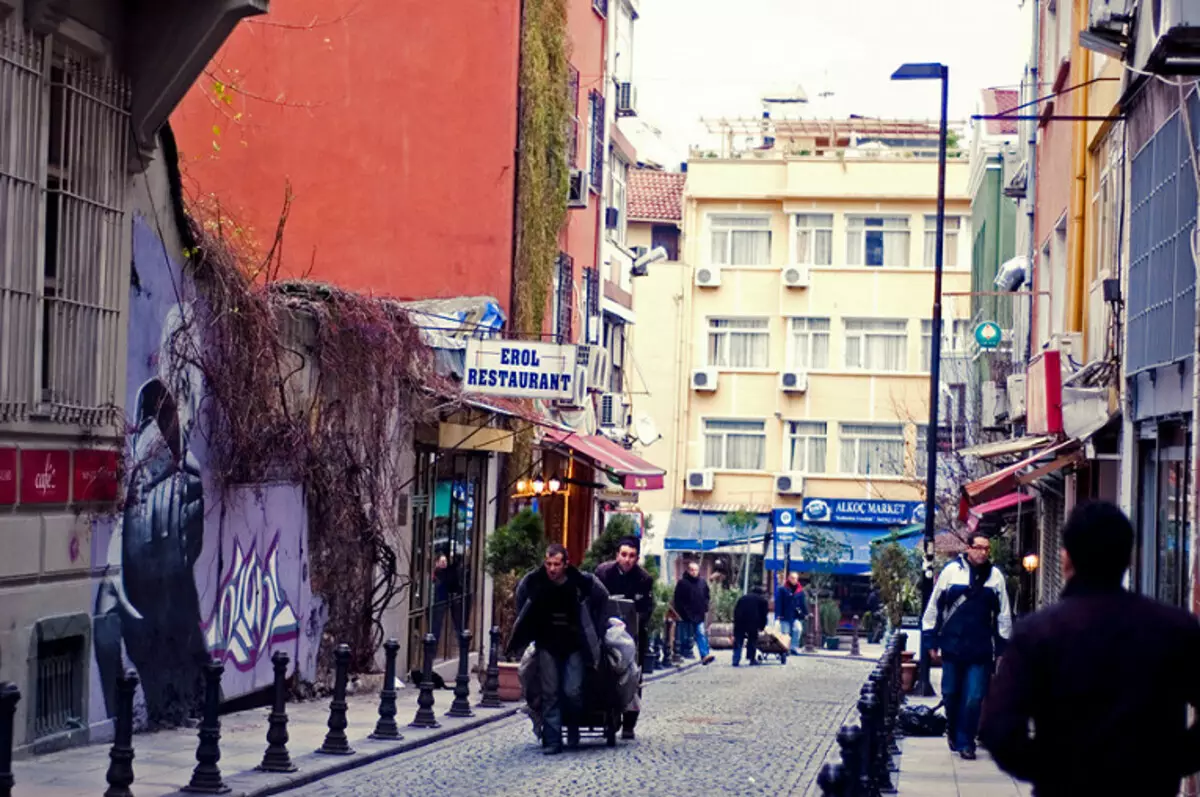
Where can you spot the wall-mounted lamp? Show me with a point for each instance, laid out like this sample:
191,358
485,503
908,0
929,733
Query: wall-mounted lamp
539,485
1030,562
554,484
522,486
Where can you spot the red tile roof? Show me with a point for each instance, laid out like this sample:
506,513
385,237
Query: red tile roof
997,101
655,195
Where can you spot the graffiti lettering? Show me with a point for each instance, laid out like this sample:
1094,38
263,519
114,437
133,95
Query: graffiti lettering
252,611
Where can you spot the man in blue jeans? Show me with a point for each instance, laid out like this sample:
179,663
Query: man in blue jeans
968,618
691,604
791,610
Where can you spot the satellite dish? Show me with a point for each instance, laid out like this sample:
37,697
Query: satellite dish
786,95
646,431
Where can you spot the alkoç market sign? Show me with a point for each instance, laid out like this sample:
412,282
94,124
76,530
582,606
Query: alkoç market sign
520,369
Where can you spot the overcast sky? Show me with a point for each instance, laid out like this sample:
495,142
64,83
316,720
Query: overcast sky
702,58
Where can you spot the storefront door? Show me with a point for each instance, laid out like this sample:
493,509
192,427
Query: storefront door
1164,515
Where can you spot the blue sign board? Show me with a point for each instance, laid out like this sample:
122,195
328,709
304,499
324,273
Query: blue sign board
784,521
862,512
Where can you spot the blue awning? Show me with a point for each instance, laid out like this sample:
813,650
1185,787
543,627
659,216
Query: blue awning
856,559
697,531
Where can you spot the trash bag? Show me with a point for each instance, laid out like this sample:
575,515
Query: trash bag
530,678
922,721
621,650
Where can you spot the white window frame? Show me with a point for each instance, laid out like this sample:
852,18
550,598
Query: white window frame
721,336
951,234
802,342
805,433
885,327
732,430
61,332
618,181
955,334
732,224
852,436
857,229
815,224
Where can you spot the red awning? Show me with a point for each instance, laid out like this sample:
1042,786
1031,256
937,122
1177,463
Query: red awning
1002,482
996,506
634,472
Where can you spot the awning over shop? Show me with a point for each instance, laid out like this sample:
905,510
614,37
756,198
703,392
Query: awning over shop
1004,481
998,510
856,557
633,472
698,531
1002,448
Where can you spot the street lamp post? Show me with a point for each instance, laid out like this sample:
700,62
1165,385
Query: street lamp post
942,73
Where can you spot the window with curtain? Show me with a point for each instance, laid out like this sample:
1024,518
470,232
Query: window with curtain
877,241
809,344
872,449
735,445
808,443
954,339
738,342
950,235
741,240
814,239
877,344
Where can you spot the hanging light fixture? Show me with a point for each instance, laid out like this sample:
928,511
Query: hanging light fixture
1030,562
522,486
539,484
555,483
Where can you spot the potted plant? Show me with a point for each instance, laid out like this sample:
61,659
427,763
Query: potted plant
825,552
720,628
512,551
831,616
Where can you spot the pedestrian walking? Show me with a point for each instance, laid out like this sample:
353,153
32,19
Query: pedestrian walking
791,610
563,612
691,604
969,620
1105,676
625,578
749,619
878,622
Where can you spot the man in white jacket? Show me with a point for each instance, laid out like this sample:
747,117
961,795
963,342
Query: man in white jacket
969,620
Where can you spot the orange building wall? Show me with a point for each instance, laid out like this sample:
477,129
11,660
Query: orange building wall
394,122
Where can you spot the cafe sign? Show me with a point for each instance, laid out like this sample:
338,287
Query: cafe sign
520,369
862,512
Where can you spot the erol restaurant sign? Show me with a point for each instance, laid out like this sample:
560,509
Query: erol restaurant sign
520,369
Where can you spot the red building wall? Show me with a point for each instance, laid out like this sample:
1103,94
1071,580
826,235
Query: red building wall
395,124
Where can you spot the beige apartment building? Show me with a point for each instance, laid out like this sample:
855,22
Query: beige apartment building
786,351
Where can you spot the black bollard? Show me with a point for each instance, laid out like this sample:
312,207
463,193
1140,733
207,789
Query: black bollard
832,780
882,763
386,728
120,757
9,696
866,749
491,680
336,742
276,758
461,706
849,741
206,777
854,651
424,717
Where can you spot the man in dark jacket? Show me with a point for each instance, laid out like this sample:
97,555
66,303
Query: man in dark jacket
791,609
969,620
564,613
1105,676
691,604
749,618
625,578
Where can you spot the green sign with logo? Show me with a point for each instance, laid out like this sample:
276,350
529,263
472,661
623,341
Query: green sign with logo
988,335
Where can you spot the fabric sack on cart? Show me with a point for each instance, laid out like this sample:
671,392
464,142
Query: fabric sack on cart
621,650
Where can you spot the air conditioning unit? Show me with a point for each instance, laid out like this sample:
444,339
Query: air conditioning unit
612,218
704,379
1109,27
789,484
626,99
577,189
700,481
793,381
994,401
708,276
1070,345
1016,397
796,277
614,412
1167,37
594,359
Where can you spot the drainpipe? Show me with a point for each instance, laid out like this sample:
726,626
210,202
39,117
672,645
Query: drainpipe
1032,169
1076,306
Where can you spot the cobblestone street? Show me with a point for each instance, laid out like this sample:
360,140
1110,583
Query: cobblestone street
714,730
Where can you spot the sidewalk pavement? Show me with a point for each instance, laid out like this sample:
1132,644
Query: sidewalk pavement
164,761
929,769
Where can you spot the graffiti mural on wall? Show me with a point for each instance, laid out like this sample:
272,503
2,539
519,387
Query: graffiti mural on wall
252,610
191,571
